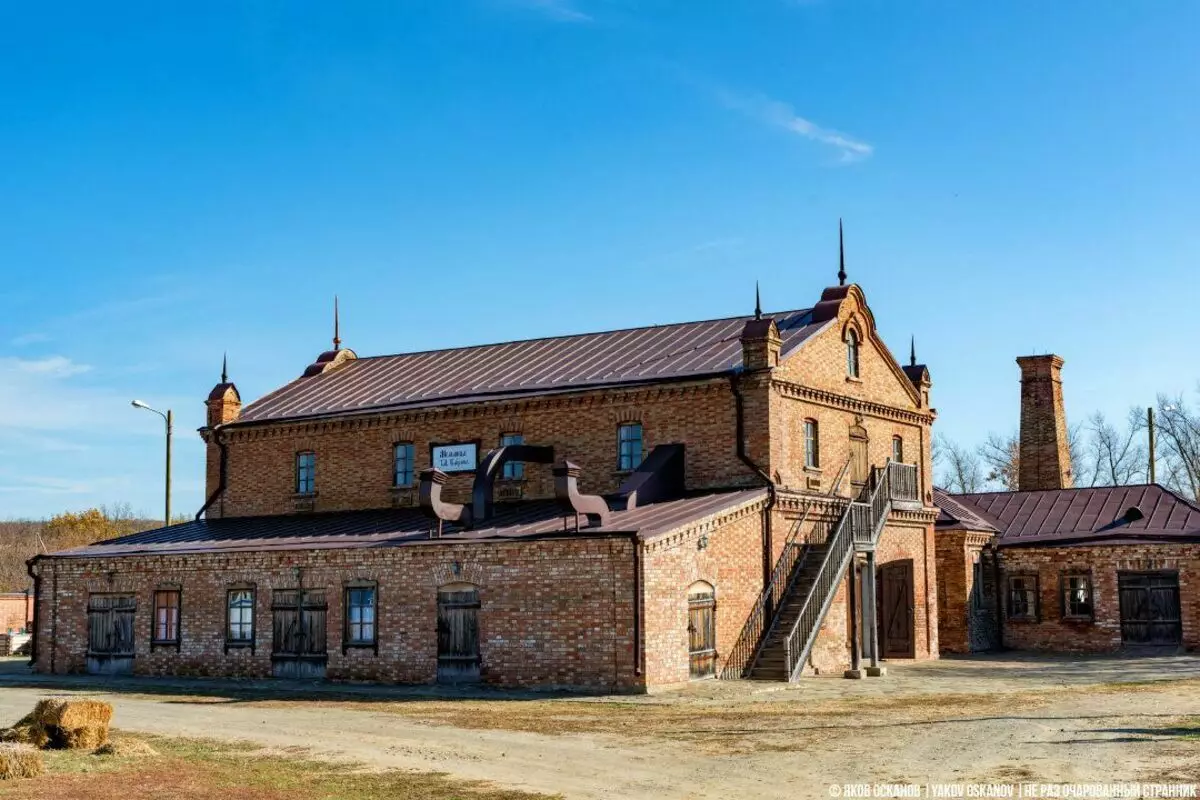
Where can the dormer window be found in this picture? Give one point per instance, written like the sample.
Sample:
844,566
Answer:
852,353
306,472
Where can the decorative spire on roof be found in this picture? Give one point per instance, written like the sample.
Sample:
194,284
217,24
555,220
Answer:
225,368
912,355
337,342
757,302
841,256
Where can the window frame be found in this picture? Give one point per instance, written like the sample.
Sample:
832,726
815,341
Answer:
348,642
311,490
155,640
1064,604
232,643
898,449
1033,614
410,457
852,353
630,465
812,444
512,470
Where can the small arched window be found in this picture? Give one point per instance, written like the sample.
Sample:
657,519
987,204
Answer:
898,449
852,353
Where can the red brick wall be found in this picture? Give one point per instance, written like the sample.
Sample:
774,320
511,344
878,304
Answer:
964,625
354,457
731,562
554,612
16,611
1104,562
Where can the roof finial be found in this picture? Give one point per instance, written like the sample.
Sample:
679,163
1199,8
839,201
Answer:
841,256
757,302
337,343
912,354
225,368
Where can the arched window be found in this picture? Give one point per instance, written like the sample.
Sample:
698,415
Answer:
852,353
898,449
702,630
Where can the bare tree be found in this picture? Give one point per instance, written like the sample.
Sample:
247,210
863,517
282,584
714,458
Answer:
959,469
1002,456
1178,429
1117,457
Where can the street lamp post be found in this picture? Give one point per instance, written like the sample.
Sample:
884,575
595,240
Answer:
169,420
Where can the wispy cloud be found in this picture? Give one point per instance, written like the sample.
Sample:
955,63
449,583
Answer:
783,116
26,339
557,10
52,366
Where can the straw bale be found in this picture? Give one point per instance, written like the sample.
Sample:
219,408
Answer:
19,761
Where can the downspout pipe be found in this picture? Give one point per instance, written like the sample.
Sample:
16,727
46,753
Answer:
637,604
219,438
740,433
35,574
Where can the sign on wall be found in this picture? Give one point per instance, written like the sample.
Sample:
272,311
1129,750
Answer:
457,457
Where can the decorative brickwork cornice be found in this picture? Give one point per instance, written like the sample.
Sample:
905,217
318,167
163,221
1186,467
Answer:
496,409
693,530
798,391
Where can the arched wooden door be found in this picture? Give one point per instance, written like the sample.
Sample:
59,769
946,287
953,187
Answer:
860,463
702,631
458,633
897,632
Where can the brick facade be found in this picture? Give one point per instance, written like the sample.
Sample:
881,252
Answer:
966,612
1102,633
16,611
600,612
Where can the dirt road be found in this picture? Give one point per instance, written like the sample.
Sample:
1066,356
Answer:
981,720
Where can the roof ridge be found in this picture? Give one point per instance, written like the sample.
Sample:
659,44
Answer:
576,335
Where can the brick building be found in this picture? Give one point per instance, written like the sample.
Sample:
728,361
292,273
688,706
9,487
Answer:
749,496
1052,567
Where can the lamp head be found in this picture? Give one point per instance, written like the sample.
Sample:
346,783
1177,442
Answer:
140,404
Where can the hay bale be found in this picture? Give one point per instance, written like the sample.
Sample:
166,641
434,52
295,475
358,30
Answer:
68,724
88,738
126,748
63,712
34,735
19,761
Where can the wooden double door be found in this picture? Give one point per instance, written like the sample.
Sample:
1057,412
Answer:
110,634
1150,608
895,609
299,646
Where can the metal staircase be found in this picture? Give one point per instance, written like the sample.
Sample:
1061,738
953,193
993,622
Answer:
806,577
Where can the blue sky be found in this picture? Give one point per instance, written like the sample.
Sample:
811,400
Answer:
174,183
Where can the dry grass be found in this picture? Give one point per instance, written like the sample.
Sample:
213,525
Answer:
126,748
191,770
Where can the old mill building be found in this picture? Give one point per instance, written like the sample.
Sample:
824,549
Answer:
617,511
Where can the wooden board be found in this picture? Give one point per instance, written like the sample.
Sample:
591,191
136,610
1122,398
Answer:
1150,608
702,635
110,634
896,633
458,635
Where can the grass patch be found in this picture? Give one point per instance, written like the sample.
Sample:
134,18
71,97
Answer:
188,769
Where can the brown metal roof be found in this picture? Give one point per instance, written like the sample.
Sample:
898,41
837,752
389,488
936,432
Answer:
535,366
1095,515
403,527
953,515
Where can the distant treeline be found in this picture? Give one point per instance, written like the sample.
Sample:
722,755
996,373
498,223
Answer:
21,540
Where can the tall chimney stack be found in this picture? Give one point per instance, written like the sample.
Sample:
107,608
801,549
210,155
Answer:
1045,452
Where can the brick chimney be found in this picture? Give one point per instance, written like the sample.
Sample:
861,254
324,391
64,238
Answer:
760,345
1045,453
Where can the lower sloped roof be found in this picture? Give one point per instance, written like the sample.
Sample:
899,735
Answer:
1086,515
404,527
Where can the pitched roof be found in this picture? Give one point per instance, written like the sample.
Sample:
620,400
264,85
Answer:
515,369
404,527
1094,515
953,515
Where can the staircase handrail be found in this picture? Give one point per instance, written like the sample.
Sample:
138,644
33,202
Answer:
838,554
745,650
